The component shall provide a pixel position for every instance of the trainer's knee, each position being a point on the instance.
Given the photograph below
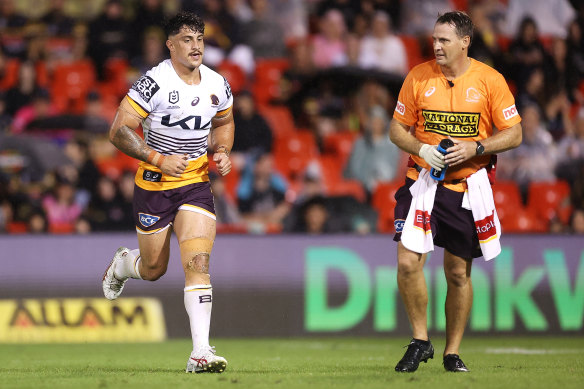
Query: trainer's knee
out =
(457, 277)
(195, 255)
(152, 272)
(409, 265)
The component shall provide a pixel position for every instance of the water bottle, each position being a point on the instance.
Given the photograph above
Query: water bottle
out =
(438, 175)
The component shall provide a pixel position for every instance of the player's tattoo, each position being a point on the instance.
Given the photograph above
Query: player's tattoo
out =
(199, 264)
(130, 143)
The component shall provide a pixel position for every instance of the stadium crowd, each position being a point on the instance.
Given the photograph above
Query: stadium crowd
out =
(315, 83)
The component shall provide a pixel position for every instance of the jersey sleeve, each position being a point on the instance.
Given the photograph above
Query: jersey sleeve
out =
(405, 109)
(225, 100)
(503, 109)
(143, 94)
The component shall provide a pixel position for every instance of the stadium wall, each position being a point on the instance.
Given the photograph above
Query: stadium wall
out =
(300, 285)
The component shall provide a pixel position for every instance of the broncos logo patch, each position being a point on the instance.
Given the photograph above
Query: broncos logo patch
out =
(147, 220)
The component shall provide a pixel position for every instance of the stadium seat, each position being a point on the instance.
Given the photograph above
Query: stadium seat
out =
(116, 76)
(61, 228)
(507, 199)
(293, 152)
(548, 200)
(413, 50)
(383, 201)
(339, 145)
(332, 172)
(70, 84)
(279, 118)
(267, 75)
(10, 76)
(524, 221)
(348, 188)
(234, 75)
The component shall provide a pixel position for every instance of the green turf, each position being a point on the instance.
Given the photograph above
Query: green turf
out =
(556, 363)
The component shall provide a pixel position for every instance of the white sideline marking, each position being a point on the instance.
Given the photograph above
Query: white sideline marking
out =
(527, 351)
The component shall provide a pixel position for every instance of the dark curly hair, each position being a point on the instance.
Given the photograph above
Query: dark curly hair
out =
(460, 20)
(186, 19)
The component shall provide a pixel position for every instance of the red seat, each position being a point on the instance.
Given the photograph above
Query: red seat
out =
(340, 145)
(293, 152)
(116, 76)
(10, 77)
(523, 221)
(549, 199)
(71, 82)
(507, 199)
(267, 75)
(413, 50)
(233, 74)
(352, 188)
(383, 201)
(332, 172)
(279, 118)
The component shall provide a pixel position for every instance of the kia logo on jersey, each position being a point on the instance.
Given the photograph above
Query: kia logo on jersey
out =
(173, 97)
(147, 220)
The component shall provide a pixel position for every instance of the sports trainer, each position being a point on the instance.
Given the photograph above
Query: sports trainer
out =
(178, 103)
(457, 97)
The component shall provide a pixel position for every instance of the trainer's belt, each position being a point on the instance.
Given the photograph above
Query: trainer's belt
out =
(450, 182)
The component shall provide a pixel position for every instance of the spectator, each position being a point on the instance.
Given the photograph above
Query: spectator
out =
(253, 135)
(552, 17)
(109, 36)
(374, 158)
(85, 174)
(107, 210)
(329, 47)
(418, 16)
(262, 194)
(60, 206)
(535, 159)
(37, 222)
(22, 94)
(225, 208)
(148, 16)
(314, 217)
(577, 221)
(575, 56)
(12, 24)
(40, 108)
(5, 119)
(570, 166)
(58, 23)
(485, 47)
(525, 51)
(263, 34)
(152, 53)
(382, 50)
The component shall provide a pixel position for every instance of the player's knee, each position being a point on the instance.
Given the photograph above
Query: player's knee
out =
(152, 272)
(195, 255)
(198, 263)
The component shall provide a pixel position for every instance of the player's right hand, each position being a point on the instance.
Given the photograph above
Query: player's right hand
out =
(175, 165)
(432, 156)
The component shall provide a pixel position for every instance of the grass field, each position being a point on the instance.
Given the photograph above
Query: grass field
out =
(508, 362)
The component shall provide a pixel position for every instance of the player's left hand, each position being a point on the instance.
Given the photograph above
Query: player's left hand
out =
(223, 163)
(460, 152)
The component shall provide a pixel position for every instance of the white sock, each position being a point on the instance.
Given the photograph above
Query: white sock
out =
(129, 267)
(198, 303)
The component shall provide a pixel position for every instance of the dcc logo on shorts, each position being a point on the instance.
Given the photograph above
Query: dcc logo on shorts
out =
(147, 220)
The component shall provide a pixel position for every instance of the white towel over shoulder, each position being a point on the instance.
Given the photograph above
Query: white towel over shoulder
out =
(479, 199)
(417, 233)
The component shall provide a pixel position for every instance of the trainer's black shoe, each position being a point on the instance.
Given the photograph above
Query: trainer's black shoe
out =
(452, 362)
(418, 351)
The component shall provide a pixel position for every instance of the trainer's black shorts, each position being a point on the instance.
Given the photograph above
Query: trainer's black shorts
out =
(155, 210)
(453, 227)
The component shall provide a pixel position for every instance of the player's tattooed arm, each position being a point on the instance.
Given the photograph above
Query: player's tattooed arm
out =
(130, 143)
(122, 134)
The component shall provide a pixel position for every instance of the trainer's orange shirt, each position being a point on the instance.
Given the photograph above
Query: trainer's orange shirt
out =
(478, 101)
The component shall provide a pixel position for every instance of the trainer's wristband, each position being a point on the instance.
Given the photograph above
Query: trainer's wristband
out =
(155, 158)
(223, 149)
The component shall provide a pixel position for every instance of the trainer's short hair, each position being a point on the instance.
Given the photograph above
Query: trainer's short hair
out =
(184, 19)
(460, 20)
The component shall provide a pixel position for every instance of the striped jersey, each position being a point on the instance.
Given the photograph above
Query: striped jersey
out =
(177, 120)
(468, 108)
